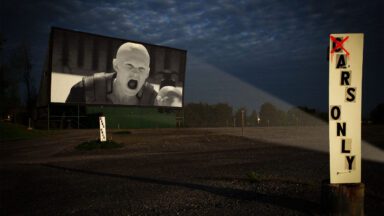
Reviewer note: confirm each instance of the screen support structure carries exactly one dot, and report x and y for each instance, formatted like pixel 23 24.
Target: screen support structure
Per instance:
pixel 52 118
pixel 180 118
pixel 48 117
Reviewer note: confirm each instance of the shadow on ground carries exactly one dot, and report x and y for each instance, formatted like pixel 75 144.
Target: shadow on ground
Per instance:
pixel 243 195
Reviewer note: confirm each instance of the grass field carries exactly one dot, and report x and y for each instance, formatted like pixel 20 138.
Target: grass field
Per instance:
pixel 9 132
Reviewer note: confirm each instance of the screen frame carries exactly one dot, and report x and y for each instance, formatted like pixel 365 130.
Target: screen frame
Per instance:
pixel 50 67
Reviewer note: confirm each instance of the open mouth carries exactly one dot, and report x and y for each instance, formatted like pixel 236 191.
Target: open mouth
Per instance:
pixel 132 84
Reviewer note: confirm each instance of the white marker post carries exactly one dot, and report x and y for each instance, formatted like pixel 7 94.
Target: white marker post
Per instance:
pixel 345 193
pixel 103 132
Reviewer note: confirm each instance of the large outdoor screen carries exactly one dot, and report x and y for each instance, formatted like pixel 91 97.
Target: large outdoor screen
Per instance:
pixel 99 70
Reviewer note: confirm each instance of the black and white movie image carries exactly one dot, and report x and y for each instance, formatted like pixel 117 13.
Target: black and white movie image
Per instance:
pixel 92 69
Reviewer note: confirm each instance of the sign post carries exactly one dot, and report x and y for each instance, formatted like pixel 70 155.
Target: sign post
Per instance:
pixel 344 193
pixel 103 133
pixel 345 86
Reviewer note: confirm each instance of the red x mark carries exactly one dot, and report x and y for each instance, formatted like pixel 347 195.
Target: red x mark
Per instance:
pixel 338 45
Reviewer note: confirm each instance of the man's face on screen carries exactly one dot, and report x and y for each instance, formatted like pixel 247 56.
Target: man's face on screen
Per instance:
pixel 132 67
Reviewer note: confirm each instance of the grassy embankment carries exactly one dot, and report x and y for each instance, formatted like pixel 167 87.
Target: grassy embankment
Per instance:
pixel 97 144
pixel 10 132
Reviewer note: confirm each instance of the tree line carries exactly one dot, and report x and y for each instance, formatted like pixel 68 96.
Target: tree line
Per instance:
pixel 16 80
pixel 223 115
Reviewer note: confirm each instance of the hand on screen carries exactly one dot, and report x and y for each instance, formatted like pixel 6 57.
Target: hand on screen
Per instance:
pixel 169 96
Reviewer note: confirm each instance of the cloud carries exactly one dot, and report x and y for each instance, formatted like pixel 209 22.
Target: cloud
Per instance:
pixel 243 38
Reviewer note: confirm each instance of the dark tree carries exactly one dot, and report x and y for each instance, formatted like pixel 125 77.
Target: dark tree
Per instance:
pixel 294 116
pixel 9 86
pixel 304 116
pixel 205 115
pixel 223 114
pixel 271 116
pixel 21 64
pixel 238 116
pixel 281 118
pixel 268 114
pixel 253 119
pixel 192 115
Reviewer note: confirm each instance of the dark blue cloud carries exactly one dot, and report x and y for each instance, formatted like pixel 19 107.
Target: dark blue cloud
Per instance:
pixel 277 46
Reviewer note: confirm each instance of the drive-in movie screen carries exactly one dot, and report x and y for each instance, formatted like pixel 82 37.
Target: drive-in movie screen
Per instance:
pixel 99 70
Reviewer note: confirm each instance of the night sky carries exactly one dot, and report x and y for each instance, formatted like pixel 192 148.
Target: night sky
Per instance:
pixel 240 52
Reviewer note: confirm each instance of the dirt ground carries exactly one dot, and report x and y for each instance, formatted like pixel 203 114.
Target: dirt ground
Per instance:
pixel 176 172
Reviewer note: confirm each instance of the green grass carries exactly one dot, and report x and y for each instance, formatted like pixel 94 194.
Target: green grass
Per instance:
pixel 10 132
pixel 122 132
pixel 253 176
pixel 97 144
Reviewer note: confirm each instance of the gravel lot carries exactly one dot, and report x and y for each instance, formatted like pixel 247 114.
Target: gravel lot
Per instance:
pixel 174 172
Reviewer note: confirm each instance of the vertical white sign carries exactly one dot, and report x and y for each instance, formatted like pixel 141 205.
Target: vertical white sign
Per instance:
pixel 345 86
pixel 103 133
